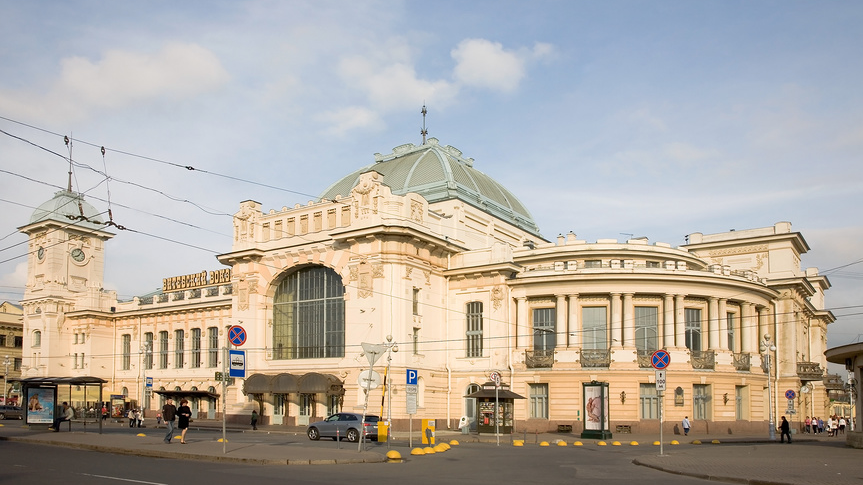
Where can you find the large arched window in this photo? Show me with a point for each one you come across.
(309, 315)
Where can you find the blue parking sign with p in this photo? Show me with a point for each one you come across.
(413, 377)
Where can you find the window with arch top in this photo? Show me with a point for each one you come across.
(309, 315)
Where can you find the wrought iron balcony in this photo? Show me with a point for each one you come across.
(538, 358)
(742, 361)
(644, 358)
(702, 359)
(809, 371)
(595, 357)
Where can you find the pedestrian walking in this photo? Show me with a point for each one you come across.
(686, 425)
(158, 419)
(169, 412)
(184, 417)
(104, 413)
(808, 425)
(834, 426)
(842, 424)
(785, 430)
(254, 419)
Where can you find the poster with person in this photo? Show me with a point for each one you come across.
(40, 405)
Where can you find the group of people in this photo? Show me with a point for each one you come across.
(136, 418)
(834, 426)
(183, 415)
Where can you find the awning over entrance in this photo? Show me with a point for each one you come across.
(488, 391)
(285, 383)
(188, 394)
(56, 381)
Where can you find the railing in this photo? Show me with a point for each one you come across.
(644, 358)
(595, 357)
(742, 361)
(538, 358)
(809, 371)
(702, 359)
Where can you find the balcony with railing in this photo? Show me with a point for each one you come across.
(534, 359)
(702, 359)
(595, 357)
(741, 362)
(809, 371)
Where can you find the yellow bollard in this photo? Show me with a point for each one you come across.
(543, 443)
(417, 451)
(140, 434)
(517, 443)
(454, 442)
(696, 442)
(601, 443)
(394, 456)
(656, 443)
(578, 443)
(675, 442)
(561, 443)
(615, 443)
(715, 442)
(429, 450)
(633, 443)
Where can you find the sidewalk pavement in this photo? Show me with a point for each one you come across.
(810, 460)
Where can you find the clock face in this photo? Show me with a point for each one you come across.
(40, 253)
(77, 254)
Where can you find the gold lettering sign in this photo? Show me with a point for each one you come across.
(196, 280)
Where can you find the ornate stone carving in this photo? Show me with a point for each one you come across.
(416, 211)
(497, 297)
(366, 194)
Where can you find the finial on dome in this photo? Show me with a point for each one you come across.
(424, 131)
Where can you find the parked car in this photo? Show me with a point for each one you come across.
(344, 425)
(11, 412)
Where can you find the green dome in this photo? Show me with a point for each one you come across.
(65, 204)
(440, 173)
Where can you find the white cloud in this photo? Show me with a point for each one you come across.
(685, 153)
(485, 64)
(353, 117)
(395, 85)
(119, 79)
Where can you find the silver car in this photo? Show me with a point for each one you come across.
(344, 425)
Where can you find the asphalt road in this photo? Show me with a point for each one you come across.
(470, 463)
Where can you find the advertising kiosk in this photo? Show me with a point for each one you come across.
(494, 408)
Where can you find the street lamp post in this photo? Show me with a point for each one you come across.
(766, 349)
(145, 351)
(6, 362)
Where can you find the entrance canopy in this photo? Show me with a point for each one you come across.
(310, 383)
(188, 394)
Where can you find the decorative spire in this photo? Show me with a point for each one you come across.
(424, 131)
(69, 145)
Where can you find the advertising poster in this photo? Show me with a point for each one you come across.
(596, 409)
(40, 405)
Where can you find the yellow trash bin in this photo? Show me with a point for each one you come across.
(383, 431)
(428, 431)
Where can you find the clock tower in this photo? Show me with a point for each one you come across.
(65, 268)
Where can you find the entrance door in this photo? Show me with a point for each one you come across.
(470, 406)
(279, 408)
(306, 403)
(195, 406)
(211, 408)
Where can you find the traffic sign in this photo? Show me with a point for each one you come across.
(495, 376)
(237, 335)
(238, 363)
(660, 380)
(369, 379)
(660, 359)
(149, 382)
(790, 394)
(413, 377)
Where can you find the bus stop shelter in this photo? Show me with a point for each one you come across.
(43, 398)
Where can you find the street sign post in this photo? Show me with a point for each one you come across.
(660, 360)
(237, 335)
(238, 363)
(660, 380)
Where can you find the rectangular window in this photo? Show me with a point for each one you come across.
(179, 349)
(163, 349)
(593, 263)
(649, 401)
(646, 327)
(692, 317)
(416, 301)
(539, 401)
(729, 318)
(416, 341)
(544, 335)
(148, 350)
(19, 341)
(701, 401)
(17, 364)
(595, 326)
(82, 360)
(75, 361)
(196, 348)
(473, 332)
(2, 340)
(213, 352)
(652, 264)
(126, 352)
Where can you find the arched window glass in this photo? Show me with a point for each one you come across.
(309, 315)
(37, 338)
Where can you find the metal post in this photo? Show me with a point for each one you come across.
(5, 378)
(767, 348)
(224, 397)
(661, 397)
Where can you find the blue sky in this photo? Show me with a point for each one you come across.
(654, 119)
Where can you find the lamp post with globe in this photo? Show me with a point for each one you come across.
(766, 349)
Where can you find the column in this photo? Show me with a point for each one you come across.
(574, 327)
(522, 327)
(712, 323)
(560, 326)
(763, 325)
(616, 323)
(668, 322)
(628, 321)
(723, 324)
(748, 326)
(679, 321)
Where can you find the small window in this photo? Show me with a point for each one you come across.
(593, 263)
(37, 338)
(652, 264)
(416, 301)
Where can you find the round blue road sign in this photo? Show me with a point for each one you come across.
(790, 394)
(237, 335)
(660, 359)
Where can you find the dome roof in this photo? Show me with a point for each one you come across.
(440, 173)
(65, 204)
